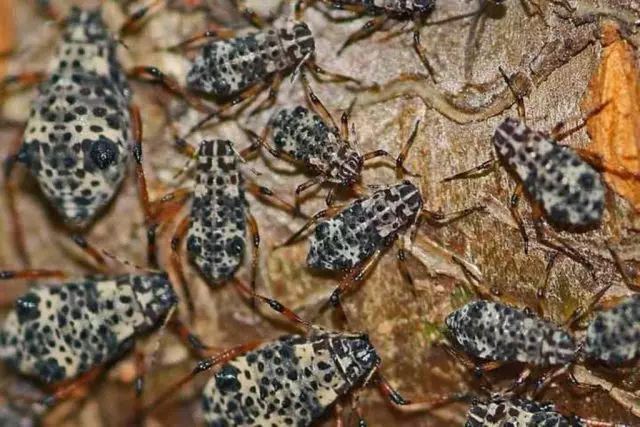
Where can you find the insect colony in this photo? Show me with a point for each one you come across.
(85, 133)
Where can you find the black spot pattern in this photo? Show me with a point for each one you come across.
(613, 336)
(57, 332)
(569, 190)
(71, 122)
(226, 68)
(303, 135)
(290, 381)
(398, 9)
(518, 412)
(495, 331)
(367, 224)
(216, 238)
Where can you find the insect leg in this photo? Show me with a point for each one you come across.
(265, 193)
(422, 404)
(9, 188)
(133, 20)
(488, 165)
(338, 414)
(515, 213)
(214, 32)
(417, 47)
(441, 218)
(154, 75)
(522, 112)
(32, 274)
(176, 263)
(326, 213)
(270, 100)
(22, 80)
(139, 380)
(255, 253)
(304, 186)
(329, 76)
(317, 105)
(249, 14)
(201, 366)
(541, 293)
(596, 161)
(355, 276)
(367, 29)
(272, 303)
(68, 388)
(402, 266)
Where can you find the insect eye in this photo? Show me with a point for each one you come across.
(103, 153)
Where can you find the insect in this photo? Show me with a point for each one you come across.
(215, 229)
(382, 12)
(311, 137)
(65, 333)
(562, 186)
(292, 380)
(354, 237)
(82, 128)
(522, 412)
(240, 68)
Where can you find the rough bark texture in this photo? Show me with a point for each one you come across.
(552, 49)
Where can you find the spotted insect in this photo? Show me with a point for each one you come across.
(292, 380)
(239, 68)
(82, 128)
(522, 412)
(383, 11)
(311, 138)
(562, 186)
(354, 237)
(215, 229)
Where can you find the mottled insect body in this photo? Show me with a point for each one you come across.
(58, 332)
(497, 332)
(569, 190)
(78, 137)
(399, 8)
(612, 336)
(303, 135)
(225, 68)
(216, 238)
(517, 412)
(289, 381)
(364, 226)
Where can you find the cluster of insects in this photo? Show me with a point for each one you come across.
(84, 128)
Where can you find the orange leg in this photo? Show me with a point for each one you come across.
(513, 208)
(488, 165)
(316, 105)
(153, 74)
(255, 253)
(274, 304)
(65, 390)
(367, 29)
(417, 47)
(355, 276)
(132, 22)
(25, 79)
(266, 194)
(270, 100)
(620, 266)
(141, 369)
(400, 169)
(214, 31)
(10, 188)
(32, 274)
(338, 414)
(176, 262)
(522, 113)
(326, 213)
(163, 210)
(323, 75)
(189, 338)
(305, 186)
(402, 266)
(201, 366)
(422, 404)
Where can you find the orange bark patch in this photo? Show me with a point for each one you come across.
(615, 131)
(7, 33)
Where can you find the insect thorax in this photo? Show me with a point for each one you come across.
(494, 331)
(216, 238)
(227, 67)
(57, 332)
(350, 237)
(570, 191)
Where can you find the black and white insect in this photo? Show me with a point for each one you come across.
(382, 12)
(82, 128)
(292, 380)
(312, 138)
(353, 237)
(561, 185)
(523, 412)
(237, 69)
(215, 229)
(612, 336)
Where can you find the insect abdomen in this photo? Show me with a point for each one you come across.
(228, 67)
(517, 412)
(57, 332)
(569, 190)
(612, 337)
(494, 331)
(216, 239)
